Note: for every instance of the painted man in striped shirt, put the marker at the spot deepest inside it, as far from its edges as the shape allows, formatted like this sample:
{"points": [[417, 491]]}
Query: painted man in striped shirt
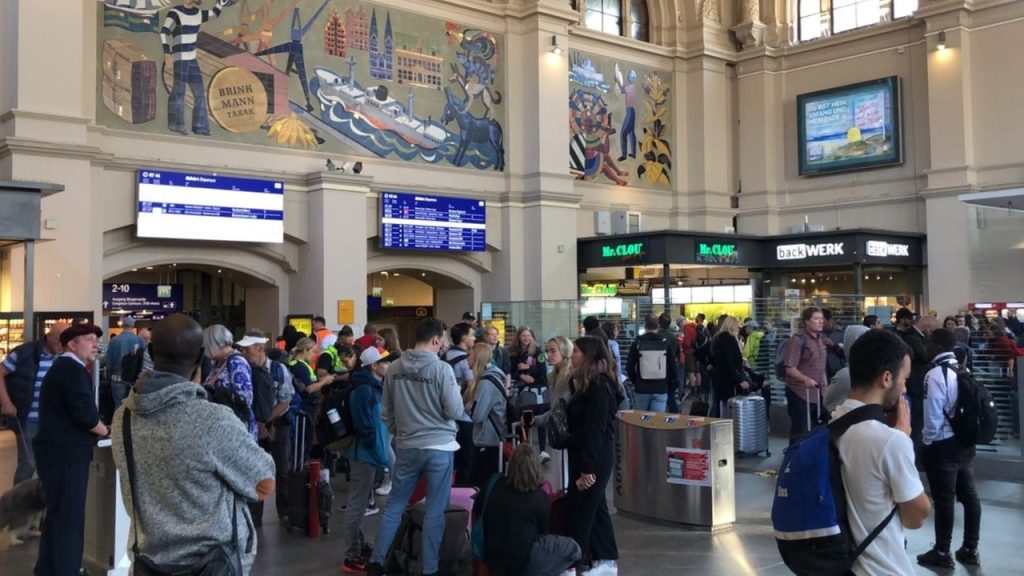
{"points": [[179, 37]]}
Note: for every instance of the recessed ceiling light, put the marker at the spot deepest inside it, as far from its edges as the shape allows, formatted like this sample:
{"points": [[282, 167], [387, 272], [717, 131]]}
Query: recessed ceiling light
{"points": [[149, 267], [135, 269]]}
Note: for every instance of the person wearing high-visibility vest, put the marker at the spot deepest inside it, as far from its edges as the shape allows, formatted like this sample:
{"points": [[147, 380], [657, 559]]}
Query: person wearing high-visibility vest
{"points": [[336, 360], [305, 380]]}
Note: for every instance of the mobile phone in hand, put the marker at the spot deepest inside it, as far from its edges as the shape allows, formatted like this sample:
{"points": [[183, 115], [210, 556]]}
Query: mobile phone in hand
{"points": [[527, 418]]}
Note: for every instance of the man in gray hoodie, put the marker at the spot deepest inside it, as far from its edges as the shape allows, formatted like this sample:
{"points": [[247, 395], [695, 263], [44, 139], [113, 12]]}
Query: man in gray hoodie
{"points": [[196, 465], [420, 404]]}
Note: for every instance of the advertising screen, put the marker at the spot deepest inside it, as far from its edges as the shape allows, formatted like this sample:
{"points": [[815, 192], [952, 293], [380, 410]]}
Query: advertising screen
{"points": [[422, 222], [850, 127], [209, 207]]}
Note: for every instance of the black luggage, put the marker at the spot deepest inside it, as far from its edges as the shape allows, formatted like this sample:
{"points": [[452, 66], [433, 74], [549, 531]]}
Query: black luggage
{"points": [[298, 476], [406, 554]]}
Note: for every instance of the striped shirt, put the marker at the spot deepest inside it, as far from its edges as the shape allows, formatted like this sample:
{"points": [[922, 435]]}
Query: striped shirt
{"points": [[181, 30], [45, 361]]}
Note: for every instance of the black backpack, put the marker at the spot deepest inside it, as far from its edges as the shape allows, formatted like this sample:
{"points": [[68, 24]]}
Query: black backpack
{"points": [[264, 394], [974, 419], [702, 347], [340, 436], [131, 366]]}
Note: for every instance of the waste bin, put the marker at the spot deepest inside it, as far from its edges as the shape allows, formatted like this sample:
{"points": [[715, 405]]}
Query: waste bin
{"points": [[675, 468]]}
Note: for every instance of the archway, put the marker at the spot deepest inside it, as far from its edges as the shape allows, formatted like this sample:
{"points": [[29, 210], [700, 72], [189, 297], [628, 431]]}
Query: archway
{"points": [[399, 297]]}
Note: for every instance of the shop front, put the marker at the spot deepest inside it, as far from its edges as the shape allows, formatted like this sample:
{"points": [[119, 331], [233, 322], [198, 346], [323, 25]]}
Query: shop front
{"points": [[881, 271]]}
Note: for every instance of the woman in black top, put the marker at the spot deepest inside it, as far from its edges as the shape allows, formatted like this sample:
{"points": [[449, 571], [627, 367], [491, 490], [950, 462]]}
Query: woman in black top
{"points": [[591, 450], [515, 516], [728, 376], [529, 373]]}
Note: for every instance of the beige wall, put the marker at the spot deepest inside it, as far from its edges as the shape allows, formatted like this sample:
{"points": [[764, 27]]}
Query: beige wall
{"points": [[734, 126]]}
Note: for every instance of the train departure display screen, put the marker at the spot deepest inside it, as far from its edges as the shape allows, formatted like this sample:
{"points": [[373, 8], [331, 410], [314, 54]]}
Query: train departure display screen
{"points": [[422, 222], [209, 207]]}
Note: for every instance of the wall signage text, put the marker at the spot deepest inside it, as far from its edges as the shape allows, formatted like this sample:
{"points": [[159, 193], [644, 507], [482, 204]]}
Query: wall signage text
{"points": [[882, 249], [804, 251], [717, 253], [623, 251]]}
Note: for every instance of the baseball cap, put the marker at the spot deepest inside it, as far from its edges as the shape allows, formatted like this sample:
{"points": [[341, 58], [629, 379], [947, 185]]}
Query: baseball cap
{"points": [[469, 316], [905, 313], [373, 355]]}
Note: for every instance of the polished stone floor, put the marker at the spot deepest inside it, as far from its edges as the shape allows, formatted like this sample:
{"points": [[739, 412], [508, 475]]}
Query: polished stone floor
{"points": [[646, 549]]}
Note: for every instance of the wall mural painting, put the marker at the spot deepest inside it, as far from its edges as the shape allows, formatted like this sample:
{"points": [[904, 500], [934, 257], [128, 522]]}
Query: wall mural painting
{"points": [[331, 75], [611, 102]]}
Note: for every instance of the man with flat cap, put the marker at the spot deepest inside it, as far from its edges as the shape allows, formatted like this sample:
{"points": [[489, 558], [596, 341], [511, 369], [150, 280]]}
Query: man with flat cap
{"points": [[195, 464], [69, 426]]}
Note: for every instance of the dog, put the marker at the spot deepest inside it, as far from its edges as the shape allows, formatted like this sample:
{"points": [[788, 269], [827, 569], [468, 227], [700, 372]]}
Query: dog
{"points": [[21, 508]]}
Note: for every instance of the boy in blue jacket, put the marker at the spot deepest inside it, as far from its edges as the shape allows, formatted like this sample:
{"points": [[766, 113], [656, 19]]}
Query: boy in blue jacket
{"points": [[367, 453]]}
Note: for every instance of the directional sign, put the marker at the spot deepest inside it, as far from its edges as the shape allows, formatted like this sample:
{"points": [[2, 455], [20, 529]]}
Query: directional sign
{"points": [[120, 298]]}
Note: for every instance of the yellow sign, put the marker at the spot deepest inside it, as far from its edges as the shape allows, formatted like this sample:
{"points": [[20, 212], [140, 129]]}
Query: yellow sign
{"points": [[346, 311], [238, 100], [304, 325]]}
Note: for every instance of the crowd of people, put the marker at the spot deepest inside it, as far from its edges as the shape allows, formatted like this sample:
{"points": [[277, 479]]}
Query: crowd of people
{"points": [[206, 426]]}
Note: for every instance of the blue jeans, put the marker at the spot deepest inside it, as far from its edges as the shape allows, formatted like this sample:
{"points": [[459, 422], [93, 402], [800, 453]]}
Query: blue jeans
{"points": [[25, 468], [650, 402], [410, 463], [186, 72], [627, 135]]}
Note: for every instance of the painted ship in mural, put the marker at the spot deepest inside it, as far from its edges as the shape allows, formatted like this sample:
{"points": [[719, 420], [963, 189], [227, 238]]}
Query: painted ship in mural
{"points": [[378, 109], [583, 72], [383, 126]]}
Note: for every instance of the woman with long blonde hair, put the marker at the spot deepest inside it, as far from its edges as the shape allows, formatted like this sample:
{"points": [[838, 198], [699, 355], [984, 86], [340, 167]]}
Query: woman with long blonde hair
{"points": [[557, 354], [487, 405], [728, 375]]}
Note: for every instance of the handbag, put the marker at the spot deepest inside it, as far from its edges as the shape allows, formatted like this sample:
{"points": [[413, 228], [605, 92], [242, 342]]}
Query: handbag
{"points": [[558, 423], [220, 560]]}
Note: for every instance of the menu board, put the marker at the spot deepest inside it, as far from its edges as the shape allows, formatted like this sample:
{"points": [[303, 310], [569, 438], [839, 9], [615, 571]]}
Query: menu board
{"points": [[422, 222], [850, 127]]}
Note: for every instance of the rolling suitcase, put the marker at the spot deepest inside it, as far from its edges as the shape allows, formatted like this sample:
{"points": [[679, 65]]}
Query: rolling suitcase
{"points": [[749, 424], [561, 506], [298, 476]]}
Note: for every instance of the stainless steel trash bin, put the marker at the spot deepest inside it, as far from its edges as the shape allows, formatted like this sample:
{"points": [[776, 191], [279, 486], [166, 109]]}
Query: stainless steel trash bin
{"points": [[676, 468]]}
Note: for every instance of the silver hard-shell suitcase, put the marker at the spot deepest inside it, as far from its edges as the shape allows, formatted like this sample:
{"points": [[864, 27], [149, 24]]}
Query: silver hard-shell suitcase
{"points": [[749, 424]]}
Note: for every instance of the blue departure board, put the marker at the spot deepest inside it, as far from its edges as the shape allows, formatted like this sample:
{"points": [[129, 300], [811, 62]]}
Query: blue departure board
{"points": [[422, 222]]}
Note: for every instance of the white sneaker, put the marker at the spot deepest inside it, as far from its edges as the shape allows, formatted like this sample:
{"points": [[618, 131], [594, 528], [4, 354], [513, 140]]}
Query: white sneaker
{"points": [[604, 568], [384, 489], [545, 457]]}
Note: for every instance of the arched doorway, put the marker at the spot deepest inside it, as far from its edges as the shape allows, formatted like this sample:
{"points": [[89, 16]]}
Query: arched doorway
{"points": [[399, 297]]}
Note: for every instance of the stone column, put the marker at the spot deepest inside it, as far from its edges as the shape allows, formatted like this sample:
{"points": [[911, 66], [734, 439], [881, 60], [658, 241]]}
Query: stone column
{"points": [[750, 30], [952, 161], [332, 265]]}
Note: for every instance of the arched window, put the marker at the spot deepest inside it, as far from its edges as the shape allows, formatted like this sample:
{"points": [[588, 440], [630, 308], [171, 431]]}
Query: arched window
{"points": [[620, 17], [818, 18]]}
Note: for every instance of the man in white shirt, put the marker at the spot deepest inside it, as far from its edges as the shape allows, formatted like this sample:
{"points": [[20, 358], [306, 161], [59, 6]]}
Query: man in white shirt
{"points": [[947, 461], [878, 460]]}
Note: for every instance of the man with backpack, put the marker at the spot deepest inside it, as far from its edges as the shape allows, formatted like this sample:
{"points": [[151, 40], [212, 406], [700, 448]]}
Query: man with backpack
{"points": [[948, 459], [652, 367], [864, 458], [463, 337], [124, 344], [272, 393], [803, 361], [420, 404], [366, 454]]}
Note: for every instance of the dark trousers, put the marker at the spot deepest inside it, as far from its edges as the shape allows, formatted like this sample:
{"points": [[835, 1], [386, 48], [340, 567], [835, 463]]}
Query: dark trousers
{"points": [[591, 524], [60, 548], [464, 455], [672, 405], [485, 464], [280, 448], [797, 408], [949, 467], [916, 426]]}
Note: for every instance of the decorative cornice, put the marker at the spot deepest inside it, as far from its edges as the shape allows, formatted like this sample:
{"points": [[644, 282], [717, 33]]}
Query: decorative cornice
{"points": [[12, 145], [16, 113]]}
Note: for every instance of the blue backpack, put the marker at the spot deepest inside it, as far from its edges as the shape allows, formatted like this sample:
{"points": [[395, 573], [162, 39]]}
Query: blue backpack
{"points": [[809, 513]]}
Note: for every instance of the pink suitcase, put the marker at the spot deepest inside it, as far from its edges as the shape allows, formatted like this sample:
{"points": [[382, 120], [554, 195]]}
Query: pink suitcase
{"points": [[463, 497]]}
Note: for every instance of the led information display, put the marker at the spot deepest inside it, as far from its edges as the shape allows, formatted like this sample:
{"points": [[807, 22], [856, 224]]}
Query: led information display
{"points": [[209, 207], [421, 222]]}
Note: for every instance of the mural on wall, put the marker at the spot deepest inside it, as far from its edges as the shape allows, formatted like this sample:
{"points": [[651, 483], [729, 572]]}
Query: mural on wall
{"points": [[619, 120], [332, 75]]}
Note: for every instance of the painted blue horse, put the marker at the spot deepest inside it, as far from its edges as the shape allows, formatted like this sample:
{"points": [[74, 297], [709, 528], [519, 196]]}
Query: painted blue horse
{"points": [[473, 130]]}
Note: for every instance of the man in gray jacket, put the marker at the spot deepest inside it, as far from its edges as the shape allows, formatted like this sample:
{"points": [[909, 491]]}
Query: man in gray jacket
{"points": [[196, 465], [421, 401]]}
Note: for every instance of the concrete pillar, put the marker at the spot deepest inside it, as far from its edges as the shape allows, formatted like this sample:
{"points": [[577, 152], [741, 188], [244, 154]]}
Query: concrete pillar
{"points": [[262, 309], [761, 146], [451, 303], [952, 163], [332, 265], [708, 147]]}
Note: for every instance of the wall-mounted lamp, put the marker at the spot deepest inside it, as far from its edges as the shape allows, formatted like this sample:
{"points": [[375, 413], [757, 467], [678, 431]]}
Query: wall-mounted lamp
{"points": [[942, 41], [556, 45]]}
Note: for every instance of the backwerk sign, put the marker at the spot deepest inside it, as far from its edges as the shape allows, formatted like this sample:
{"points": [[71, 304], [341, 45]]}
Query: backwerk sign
{"points": [[807, 251], [882, 249]]}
